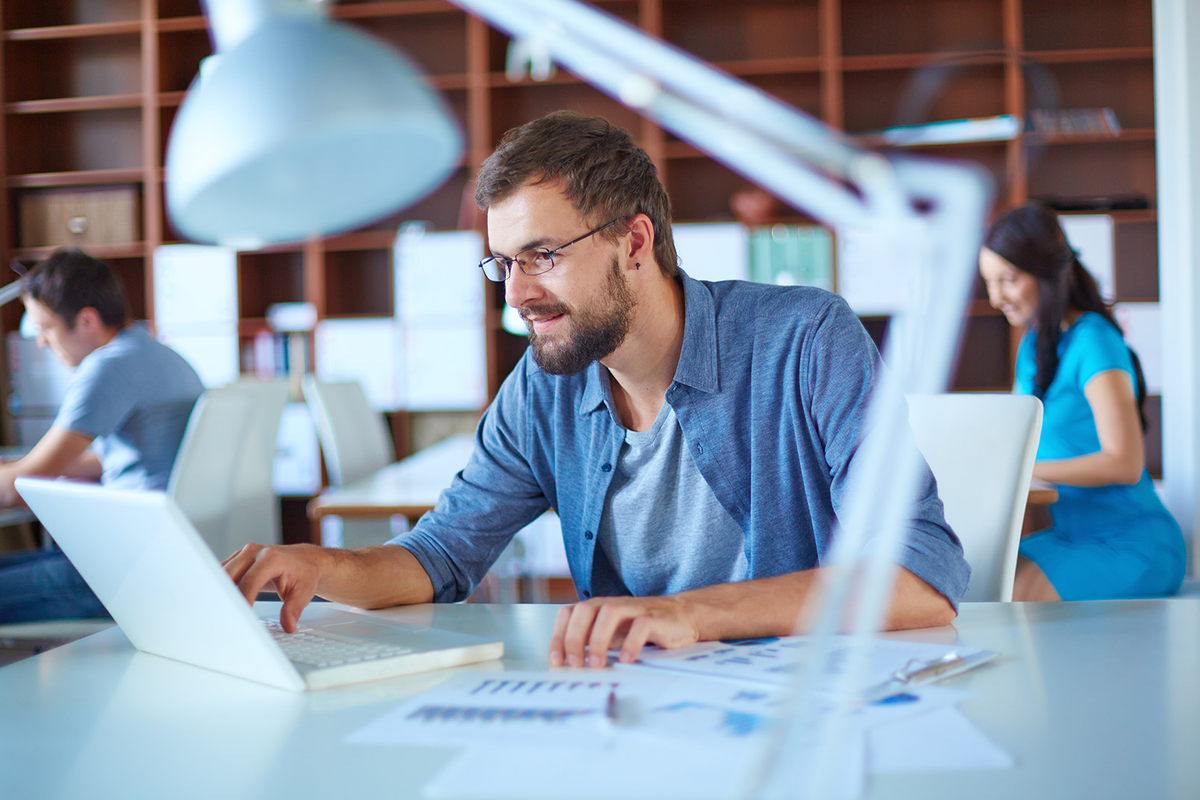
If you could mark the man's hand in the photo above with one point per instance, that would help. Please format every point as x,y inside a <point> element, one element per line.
<point>293,572</point>
<point>631,622</point>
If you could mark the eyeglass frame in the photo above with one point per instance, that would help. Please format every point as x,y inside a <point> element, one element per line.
<point>541,251</point>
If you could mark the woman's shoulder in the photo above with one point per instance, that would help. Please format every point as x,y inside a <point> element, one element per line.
<point>1096,345</point>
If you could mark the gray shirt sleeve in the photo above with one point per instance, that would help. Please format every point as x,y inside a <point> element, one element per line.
<point>97,400</point>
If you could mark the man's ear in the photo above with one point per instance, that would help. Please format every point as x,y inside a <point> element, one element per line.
<point>88,320</point>
<point>641,240</point>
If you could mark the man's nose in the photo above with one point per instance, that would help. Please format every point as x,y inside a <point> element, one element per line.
<point>519,288</point>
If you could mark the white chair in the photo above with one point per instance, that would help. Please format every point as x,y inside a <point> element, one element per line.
<point>254,509</point>
<point>355,442</point>
<point>202,480</point>
<point>981,448</point>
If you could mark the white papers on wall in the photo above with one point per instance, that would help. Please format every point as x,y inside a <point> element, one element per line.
<point>297,468</point>
<point>39,379</point>
<point>445,367</point>
<point>717,251</point>
<point>196,308</point>
<point>363,350</point>
<point>1142,326</point>
<point>442,354</point>
<point>878,269</point>
<point>1092,236</point>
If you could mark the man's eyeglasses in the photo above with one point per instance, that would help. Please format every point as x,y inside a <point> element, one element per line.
<point>531,262</point>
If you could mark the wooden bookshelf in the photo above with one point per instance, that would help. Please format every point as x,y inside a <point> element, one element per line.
<point>90,90</point>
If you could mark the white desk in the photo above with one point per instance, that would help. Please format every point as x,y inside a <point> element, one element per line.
<point>1095,700</point>
<point>406,488</point>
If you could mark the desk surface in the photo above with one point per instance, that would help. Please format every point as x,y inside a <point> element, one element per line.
<point>1093,700</point>
<point>406,488</point>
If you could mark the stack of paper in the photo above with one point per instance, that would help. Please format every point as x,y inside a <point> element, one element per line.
<point>666,732</point>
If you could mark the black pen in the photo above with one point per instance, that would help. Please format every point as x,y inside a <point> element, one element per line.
<point>610,707</point>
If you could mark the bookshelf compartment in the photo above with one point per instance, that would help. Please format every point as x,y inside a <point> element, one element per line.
<point>800,90</point>
<point>266,278</point>
<point>750,29</point>
<point>437,43</point>
<point>75,141</point>
<point>88,67</point>
<point>872,27</point>
<point>985,359</point>
<point>700,190</point>
<point>1095,169</point>
<point>1086,24</point>
<point>50,13</point>
<point>517,104</point>
<point>179,57</point>
<point>449,207</point>
<point>1136,250</point>
<point>873,98</point>
<point>1127,87</point>
<point>168,9</point>
<point>358,283</point>
<point>498,43</point>
<point>132,274</point>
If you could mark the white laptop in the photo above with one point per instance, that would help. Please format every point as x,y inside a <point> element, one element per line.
<point>171,597</point>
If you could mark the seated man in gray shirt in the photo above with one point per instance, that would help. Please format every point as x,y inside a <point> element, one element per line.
<point>695,438</point>
<point>121,421</point>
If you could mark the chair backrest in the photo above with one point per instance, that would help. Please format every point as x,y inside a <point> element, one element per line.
<point>202,480</point>
<point>981,448</point>
<point>353,436</point>
<point>254,514</point>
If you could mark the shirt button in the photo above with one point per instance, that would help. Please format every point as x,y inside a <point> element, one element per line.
<point>587,535</point>
<point>736,510</point>
<point>606,467</point>
<point>585,594</point>
<point>700,449</point>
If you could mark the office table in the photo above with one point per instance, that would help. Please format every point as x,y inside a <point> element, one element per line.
<point>407,488</point>
<point>1096,700</point>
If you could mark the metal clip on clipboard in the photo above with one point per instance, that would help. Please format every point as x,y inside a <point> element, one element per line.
<point>922,673</point>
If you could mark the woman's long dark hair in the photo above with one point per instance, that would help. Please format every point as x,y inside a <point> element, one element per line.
<point>1030,238</point>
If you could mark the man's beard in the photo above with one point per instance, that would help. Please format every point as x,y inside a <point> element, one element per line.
<point>594,333</point>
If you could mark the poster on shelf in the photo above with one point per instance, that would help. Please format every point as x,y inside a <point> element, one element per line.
<point>878,269</point>
<point>212,350</point>
<point>1142,326</point>
<point>437,276</point>
<point>196,308</point>
<point>445,367</point>
<point>715,251</point>
<point>364,350</point>
<point>1092,237</point>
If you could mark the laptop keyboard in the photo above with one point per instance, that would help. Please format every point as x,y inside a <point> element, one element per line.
<point>325,651</point>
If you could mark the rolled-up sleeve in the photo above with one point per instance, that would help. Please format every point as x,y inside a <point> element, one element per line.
<point>493,497</point>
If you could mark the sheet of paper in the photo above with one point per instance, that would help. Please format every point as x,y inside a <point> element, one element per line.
<point>1092,236</point>
<point>713,251</point>
<point>546,708</point>
<point>363,350</point>
<point>445,367</point>
<point>943,740</point>
<point>194,284</point>
<point>1142,326</point>
<point>775,660</point>
<point>438,277</point>
<point>297,467</point>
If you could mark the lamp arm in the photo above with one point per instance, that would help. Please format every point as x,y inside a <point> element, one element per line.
<point>11,291</point>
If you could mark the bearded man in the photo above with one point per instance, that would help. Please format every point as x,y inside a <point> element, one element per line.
<point>694,437</point>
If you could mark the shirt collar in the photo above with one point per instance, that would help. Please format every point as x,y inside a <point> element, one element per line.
<point>697,359</point>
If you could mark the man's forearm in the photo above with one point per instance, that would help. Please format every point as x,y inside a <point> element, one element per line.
<point>775,606</point>
<point>372,577</point>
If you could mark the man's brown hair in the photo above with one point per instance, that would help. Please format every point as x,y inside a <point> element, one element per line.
<point>606,175</point>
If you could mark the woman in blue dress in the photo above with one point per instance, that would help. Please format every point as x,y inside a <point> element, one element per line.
<point>1111,535</point>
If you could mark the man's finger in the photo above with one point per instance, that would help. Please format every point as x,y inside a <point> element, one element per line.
<point>611,617</point>
<point>557,653</point>
<point>579,630</point>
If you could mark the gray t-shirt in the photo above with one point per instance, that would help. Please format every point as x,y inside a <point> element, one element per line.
<point>134,395</point>
<point>662,529</point>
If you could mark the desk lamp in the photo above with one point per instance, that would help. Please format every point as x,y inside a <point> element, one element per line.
<point>793,156</point>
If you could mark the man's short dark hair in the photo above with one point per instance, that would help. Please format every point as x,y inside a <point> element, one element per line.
<point>70,280</point>
<point>607,176</point>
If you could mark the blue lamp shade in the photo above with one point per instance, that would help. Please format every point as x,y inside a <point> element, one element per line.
<point>304,128</point>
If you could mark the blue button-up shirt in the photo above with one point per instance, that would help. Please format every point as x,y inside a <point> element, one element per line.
<point>770,392</point>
